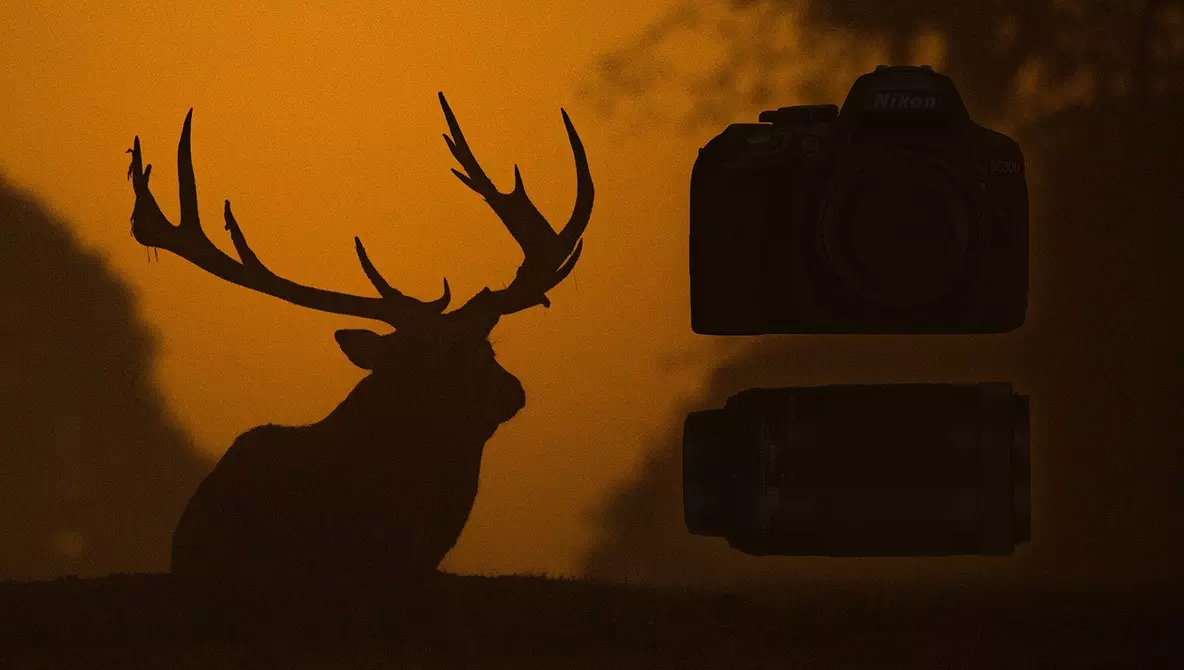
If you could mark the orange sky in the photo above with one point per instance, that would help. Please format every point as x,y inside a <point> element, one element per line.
<point>320,123</point>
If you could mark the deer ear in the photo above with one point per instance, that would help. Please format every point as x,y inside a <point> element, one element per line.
<point>361,346</point>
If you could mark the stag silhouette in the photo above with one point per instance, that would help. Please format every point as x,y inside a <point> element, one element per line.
<point>382,487</point>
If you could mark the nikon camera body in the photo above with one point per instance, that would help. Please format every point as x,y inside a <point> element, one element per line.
<point>897,214</point>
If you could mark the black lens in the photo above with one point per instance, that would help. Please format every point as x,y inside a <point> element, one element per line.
<point>1021,473</point>
<point>862,470</point>
<point>705,472</point>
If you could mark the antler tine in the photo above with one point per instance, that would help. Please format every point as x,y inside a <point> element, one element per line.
<point>151,228</point>
<point>524,221</point>
<point>548,256</point>
<point>391,293</point>
<point>582,211</point>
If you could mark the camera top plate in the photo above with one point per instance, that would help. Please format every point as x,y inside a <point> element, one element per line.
<point>900,94</point>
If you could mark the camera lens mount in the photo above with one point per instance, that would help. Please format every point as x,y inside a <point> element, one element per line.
<point>899,230</point>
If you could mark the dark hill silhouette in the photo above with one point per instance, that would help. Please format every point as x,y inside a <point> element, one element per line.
<point>1098,354</point>
<point>531,622</point>
<point>93,472</point>
<point>376,493</point>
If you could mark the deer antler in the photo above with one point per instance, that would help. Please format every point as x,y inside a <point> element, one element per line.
<point>548,256</point>
<point>189,241</point>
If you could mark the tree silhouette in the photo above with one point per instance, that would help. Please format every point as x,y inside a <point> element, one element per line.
<point>1105,48</point>
<point>1098,354</point>
<point>93,472</point>
<point>1007,56</point>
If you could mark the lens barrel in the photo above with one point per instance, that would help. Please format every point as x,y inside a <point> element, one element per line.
<point>862,470</point>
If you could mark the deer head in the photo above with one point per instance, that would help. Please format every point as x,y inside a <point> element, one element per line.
<point>425,334</point>
<point>435,388</point>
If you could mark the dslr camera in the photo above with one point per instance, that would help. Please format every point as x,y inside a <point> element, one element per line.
<point>895,214</point>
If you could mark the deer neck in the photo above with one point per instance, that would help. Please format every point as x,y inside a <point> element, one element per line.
<point>377,413</point>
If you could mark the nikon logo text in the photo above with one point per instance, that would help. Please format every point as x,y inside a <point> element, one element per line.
<point>897,100</point>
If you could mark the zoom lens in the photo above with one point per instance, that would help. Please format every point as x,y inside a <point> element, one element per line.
<point>862,470</point>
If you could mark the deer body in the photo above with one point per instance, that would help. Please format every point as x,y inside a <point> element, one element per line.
<point>381,488</point>
<point>369,489</point>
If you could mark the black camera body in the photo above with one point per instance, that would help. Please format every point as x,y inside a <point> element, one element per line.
<point>897,214</point>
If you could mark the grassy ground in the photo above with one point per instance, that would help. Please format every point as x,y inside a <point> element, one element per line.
<point>515,622</point>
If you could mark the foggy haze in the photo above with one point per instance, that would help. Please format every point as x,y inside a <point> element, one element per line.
<point>1098,353</point>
